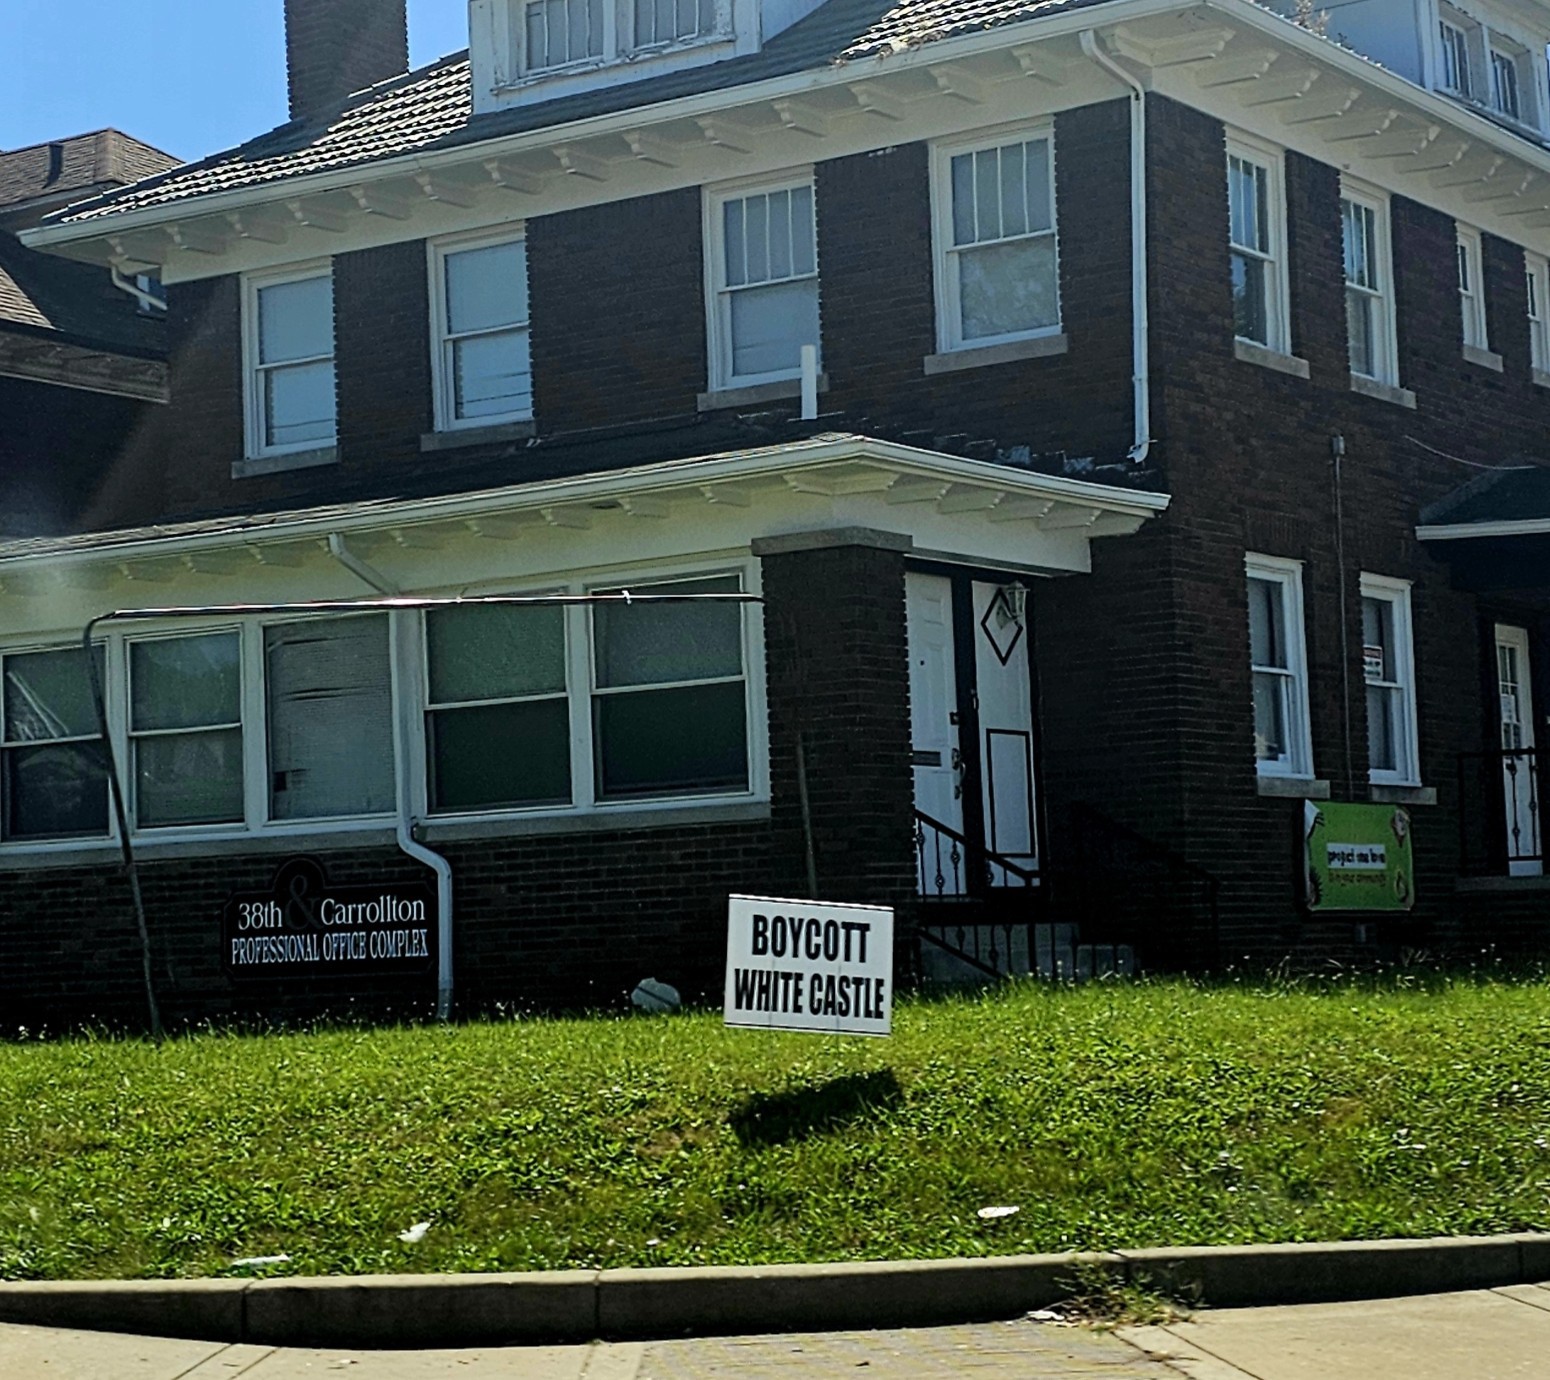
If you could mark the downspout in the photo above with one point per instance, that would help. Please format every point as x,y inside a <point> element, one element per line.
<point>148,301</point>
<point>403,743</point>
<point>1139,288</point>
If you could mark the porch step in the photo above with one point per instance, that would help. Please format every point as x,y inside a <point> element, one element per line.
<point>961,954</point>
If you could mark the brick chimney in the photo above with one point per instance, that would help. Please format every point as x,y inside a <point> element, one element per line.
<point>334,47</point>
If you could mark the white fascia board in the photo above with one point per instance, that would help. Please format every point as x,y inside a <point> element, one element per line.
<point>772,461</point>
<point>1465,531</point>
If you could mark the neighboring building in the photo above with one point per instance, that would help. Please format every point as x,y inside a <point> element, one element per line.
<point>1106,555</point>
<point>82,364</point>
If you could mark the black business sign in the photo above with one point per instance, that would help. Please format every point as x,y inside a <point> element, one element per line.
<point>304,926</point>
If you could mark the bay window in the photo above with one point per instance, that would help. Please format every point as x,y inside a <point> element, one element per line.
<point>997,258</point>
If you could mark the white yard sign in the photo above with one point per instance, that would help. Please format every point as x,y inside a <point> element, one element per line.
<point>809,965</point>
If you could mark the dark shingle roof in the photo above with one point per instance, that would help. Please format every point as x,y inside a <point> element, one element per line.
<point>81,164</point>
<point>73,301</point>
<point>432,107</point>
<point>1508,495</point>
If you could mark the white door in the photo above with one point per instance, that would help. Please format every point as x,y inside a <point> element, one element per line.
<point>1519,780</point>
<point>934,699</point>
<point>1006,726</point>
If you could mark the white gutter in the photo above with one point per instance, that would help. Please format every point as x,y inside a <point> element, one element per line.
<point>148,301</point>
<point>408,845</point>
<point>1139,275</point>
<point>1464,531</point>
<point>1389,86</point>
<point>794,458</point>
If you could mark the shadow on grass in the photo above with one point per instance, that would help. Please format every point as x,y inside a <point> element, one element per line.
<point>795,1115</point>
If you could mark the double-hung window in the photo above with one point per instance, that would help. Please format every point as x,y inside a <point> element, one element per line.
<point>561,33</point>
<point>185,729</point>
<point>290,353</point>
<point>669,696</point>
<point>1278,659</point>
<point>54,780</point>
<point>498,733</point>
<point>1257,246</point>
<point>1537,282</point>
<point>997,259</point>
<point>479,306</point>
<point>763,300</point>
<point>1369,295</point>
<point>1388,665</point>
<point>1472,289</point>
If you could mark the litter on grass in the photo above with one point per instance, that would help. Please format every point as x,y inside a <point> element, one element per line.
<point>251,1260</point>
<point>992,1214</point>
<point>415,1234</point>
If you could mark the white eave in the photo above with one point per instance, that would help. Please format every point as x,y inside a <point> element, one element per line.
<point>1226,48</point>
<point>1476,531</point>
<point>843,481</point>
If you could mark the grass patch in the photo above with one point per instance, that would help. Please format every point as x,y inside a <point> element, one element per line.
<point>1110,1116</point>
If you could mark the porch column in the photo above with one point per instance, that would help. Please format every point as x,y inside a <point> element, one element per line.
<point>838,675</point>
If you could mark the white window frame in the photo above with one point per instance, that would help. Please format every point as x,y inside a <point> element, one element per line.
<point>580,675</point>
<point>444,382</point>
<point>949,304</point>
<point>509,32</point>
<point>1286,575</point>
<point>1396,594</point>
<point>1448,25</point>
<point>1536,270</point>
<point>1382,295</point>
<point>718,296</point>
<point>1498,60</point>
<point>1471,284</point>
<point>1277,276</point>
<point>252,371</point>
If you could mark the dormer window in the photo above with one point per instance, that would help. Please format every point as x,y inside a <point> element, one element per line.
<point>566,35</point>
<point>1455,60</point>
<point>1505,99</point>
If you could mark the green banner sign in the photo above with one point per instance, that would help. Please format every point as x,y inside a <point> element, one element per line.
<point>1358,857</point>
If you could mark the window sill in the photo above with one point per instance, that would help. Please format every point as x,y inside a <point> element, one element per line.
<point>755,393</point>
<point>1251,353</point>
<point>256,466</point>
<point>1486,359</point>
<point>323,837</point>
<point>477,436</point>
<point>1293,788</point>
<point>1008,352</point>
<point>1541,378</point>
<point>1403,795</point>
<point>1383,392</point>
<point>595,821</point>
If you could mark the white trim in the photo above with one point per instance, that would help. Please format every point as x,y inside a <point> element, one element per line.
<point>720,374</point>
<point>1270,159</point>
<point>256,420</point>
<point>949,304</point>
<point>1286,575</point>
<point>1471,288</point>
<point>1381,295</point>
<point>1407,752</point>
<point>1466,531</point>
<point>1536,271</point>
<point>443,382</point>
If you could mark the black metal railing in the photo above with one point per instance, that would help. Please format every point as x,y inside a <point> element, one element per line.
<point>981,908</point>
<point>1501,823</point>
<point>1124,889</point>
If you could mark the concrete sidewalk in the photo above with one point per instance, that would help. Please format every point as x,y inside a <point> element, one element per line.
<point>1486,1334</point>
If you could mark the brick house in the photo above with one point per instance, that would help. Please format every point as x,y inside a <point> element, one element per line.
<point>1131,417</point>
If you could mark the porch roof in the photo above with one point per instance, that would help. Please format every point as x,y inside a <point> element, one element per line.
<point>831,481</point>
<point>1510,502</point>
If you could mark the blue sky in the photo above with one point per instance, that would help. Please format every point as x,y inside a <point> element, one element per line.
<point>190,76</point>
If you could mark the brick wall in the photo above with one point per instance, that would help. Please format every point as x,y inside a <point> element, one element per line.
<point>618,312</point>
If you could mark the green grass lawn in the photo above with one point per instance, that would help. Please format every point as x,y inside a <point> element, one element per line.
<point>1148,1114</point>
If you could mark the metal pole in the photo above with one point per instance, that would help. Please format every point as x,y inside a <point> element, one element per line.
<point>121,815</point>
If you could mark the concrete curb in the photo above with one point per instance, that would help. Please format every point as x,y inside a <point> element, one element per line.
<point>407,1311</point>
